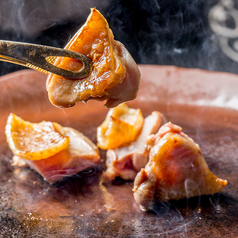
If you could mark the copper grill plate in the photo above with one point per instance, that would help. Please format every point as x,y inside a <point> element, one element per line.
<point>204,103</point>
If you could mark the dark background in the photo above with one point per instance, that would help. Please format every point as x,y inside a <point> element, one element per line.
<point>164,32</point>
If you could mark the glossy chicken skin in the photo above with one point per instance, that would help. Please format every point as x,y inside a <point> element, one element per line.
<point>126,161</point>
<point>121,126</point>
<point>176,170</point>
<point>115,76</point>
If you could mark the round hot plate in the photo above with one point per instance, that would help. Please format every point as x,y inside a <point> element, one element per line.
<point>203,103</point>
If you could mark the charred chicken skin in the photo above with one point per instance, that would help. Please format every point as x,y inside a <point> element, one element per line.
<point>176,170</point>
<point>115,76</point>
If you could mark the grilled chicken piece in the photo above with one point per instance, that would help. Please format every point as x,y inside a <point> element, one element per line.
<point>176,170</point>
<point>126,161</point>
<point>115,76</point>
<point>53,151</point>
<point>80,155</point>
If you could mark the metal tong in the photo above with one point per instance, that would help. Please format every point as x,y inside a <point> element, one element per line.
<point>41,58</point>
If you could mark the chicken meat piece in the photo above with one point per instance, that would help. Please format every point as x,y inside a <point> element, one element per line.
<point>121,126</point>
<point>176,170</point>
<point>115,76</point>
<point>42,147</point>
<point>127,161</point>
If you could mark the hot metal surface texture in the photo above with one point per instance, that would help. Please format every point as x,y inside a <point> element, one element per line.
<point>204,103</point>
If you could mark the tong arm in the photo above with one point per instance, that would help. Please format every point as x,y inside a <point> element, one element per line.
<point>39,57</point>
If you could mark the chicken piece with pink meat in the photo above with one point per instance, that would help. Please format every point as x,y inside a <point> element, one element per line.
<point>126,161</point>
<point>176,170</point>
<point>53,151</point>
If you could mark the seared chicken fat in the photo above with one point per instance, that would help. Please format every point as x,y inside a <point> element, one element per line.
<point>53,151</point>
<point>34,141</point>
<point>121,126</point>
<point>176,170</point>
<point>126,161</point>
<point>115,76</point>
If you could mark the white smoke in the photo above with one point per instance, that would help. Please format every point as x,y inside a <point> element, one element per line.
<point>29,18</point>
